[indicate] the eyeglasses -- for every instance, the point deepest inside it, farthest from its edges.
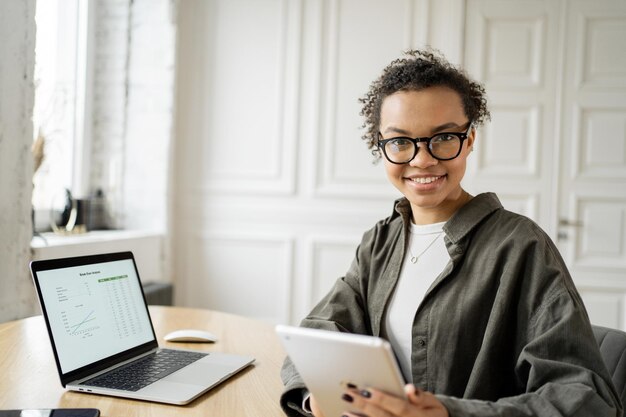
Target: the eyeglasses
(442, 146)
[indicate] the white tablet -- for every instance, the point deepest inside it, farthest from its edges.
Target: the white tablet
(327, 361)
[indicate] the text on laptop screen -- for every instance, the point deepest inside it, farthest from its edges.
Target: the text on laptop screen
(94, 311)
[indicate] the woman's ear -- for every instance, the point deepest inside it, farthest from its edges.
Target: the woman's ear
(470, 139)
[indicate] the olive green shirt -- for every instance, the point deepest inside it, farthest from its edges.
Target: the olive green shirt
(502, 331)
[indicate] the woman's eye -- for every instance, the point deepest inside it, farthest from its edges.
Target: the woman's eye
(443, 138)
(400, 143)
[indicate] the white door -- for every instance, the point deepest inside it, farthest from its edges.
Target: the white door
(592, 189)
(555, 73)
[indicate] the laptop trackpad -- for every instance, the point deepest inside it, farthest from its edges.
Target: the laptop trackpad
(201, 374)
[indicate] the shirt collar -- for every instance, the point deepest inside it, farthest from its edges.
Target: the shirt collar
(470, 215)
(461, 222)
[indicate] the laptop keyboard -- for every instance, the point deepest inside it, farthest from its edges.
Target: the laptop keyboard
(145, 371)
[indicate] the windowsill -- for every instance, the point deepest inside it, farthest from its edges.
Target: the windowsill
(147, 247)
(49, 239)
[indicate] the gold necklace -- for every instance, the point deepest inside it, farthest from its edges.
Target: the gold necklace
(414, 258)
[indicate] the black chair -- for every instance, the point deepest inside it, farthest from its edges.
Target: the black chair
(612, 344)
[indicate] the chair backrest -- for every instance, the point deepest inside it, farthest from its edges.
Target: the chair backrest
(612, 344)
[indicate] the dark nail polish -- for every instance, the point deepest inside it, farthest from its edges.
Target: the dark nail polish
(350, 385)
(347, 398)
(365, 393)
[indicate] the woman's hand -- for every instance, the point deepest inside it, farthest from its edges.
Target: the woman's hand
(374, 403)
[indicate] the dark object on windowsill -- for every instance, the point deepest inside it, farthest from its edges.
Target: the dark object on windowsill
(98, 218)
(73, 218)
(78, 215)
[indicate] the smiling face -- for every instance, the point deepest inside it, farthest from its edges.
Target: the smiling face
(432, 187)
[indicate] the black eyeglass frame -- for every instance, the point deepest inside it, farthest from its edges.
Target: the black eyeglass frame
(461, 135)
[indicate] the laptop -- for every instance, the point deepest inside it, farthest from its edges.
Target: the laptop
(103, 339)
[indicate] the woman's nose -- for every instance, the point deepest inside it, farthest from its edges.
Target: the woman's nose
(423, 158)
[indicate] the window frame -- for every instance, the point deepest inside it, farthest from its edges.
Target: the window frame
(64, 105)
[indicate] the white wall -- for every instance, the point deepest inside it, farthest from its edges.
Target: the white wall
(265, 228)
(17, 49)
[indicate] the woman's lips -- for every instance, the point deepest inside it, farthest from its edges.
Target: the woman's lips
(425, 180)
(425, 183)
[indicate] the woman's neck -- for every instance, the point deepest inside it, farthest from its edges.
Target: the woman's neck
(440, 213)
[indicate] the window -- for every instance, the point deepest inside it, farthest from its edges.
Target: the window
(62, 100)
(104, 76)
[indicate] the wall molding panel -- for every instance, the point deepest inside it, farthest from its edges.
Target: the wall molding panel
(324, 252)
(518, 156)
(602, 244)
(522, 69)
(600, 142)
(598, 63)
(523, 203)
(241, 267)
(266, 98)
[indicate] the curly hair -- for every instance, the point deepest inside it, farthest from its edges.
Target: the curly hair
(420, 69)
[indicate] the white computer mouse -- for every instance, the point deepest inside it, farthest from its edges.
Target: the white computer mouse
(190, 335)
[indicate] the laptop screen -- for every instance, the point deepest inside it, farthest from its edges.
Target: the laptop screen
(94, 311)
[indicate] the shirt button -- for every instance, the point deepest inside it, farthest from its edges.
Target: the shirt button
(421, 343)
(459, 250)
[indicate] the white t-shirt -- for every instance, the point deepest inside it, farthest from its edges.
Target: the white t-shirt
(427, 244)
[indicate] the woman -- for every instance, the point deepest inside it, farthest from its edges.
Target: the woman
(476, 301)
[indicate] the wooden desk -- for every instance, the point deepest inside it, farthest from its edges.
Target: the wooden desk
(29, 379)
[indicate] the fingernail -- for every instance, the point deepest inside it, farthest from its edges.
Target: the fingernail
(347, 398)
(365, 393)
(349, 385)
